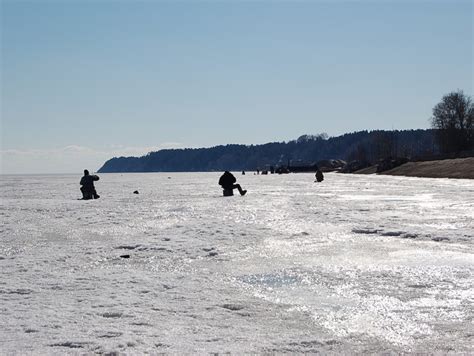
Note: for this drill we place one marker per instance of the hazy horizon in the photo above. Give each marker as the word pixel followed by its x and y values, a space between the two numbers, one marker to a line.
pixel 178 148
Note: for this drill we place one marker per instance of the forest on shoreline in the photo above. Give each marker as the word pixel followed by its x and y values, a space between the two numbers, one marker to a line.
pixel 363 146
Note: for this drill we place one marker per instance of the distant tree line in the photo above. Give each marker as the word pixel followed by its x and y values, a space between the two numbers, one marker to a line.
pixel 369 146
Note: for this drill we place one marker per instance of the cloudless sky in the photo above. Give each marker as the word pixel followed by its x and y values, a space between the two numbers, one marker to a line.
pixel 84 81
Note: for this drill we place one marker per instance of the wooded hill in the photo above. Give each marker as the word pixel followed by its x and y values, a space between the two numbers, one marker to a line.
pixel 363 146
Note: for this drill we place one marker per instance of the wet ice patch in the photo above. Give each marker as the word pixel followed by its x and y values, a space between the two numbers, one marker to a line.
pixel 409 236
pixel 111 334
pixel 30 331
pixel 365 231
pixel 20 291
pixel 440 238
pixel 233 307
pixel 71 344
pixel 392 233
pixel 128 247
pixel 112 315
pixel 382 232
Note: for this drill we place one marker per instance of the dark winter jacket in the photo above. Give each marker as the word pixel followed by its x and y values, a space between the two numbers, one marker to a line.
pixel 227 180
pixel 88 182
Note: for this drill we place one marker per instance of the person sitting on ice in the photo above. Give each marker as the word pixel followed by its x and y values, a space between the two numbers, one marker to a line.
pixel 88 189
pixel 227 182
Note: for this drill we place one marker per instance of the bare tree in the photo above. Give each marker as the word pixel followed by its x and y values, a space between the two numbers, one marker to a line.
pixel 453 118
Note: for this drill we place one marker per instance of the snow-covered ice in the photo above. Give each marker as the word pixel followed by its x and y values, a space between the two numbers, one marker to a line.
pixel 353 264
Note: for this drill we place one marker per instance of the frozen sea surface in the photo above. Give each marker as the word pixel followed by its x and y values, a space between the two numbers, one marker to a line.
pixel 353 264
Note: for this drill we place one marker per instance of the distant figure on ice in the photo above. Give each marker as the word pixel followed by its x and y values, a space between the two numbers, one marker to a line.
pixel 227 181
pixel 319 176
pixel 88 189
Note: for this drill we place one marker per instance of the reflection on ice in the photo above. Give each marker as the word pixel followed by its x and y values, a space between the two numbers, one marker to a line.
pixel 274 280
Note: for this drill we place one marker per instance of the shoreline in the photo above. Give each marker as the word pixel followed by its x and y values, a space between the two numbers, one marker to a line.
pixel 459 168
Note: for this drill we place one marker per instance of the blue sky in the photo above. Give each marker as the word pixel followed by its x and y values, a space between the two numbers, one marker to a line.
pixel 83 81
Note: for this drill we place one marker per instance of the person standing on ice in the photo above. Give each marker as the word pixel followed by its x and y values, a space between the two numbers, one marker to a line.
pixel 227 182
pixel 88 189
pixel 319 176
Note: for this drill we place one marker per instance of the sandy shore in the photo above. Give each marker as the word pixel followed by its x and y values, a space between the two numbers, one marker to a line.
pixel 448 168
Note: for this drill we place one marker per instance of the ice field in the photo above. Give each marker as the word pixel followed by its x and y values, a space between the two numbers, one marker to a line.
pixel 353 264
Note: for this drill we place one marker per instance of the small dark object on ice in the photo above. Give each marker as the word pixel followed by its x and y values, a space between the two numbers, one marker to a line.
pixel 125 256
pixel 319 176
pixel 135 192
